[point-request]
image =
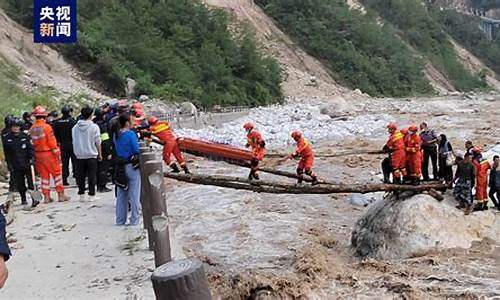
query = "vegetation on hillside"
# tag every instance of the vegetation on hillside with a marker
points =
(420, 30)
(14, 99)
(464, 29)
(359, 53)
(175, 49)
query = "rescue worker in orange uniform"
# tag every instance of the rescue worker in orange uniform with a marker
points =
(414, 154)
(163, 131)
(305, 152)
(47, 155)
(482, 167)
(406, 134)
(257, 144)
(397, 149)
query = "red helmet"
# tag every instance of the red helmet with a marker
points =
(40, 111)
(477, 150)
(152, 120)
(139, 113)
(296, 134)
(413, 128)
(248, 126)
(392, 126)
(404, 131)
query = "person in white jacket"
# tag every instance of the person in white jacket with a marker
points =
(87, 149)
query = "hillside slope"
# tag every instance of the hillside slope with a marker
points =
(299, 66)
(39, 65)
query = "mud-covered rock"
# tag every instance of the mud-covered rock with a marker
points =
(403, 228)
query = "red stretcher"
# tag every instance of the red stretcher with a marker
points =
(214, 151)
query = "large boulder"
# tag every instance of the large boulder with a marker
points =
(403, 228)
(334, 108)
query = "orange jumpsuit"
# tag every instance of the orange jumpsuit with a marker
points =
(47, 155)
(482, 168)
(164, 132)
(414, 155)
(256, 142)
(306, 153)
(396, 143)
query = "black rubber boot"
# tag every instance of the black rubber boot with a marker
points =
(256, 176)
(186, 170)
(175, 168)
(314, 180)
(300, 179)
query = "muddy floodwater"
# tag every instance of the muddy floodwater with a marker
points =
(261, 246)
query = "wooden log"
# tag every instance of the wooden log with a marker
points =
(281, 188)
(330, 155)
(181, 280)
(146, 210)
(154, 190)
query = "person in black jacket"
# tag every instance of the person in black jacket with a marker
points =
(103, 166)
(27, 121)
(62, 131)
(19, 155)
(4, 252)
(494, 181)
(5, 131)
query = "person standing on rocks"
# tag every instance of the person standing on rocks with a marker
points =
(396, 147)
(63, 131)
(495, 182)
(429, 146)
(414, 154)
(87, 148)
(469, 147)
(445, 149)
(465, 177)
(19, 155)
(482, 166)
(257, 143)
(47, 155)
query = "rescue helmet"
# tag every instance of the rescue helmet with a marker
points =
(66, 110)
(392, 126)
(296, 135)
(17, 122)
(404, 131)
(8, 120)
(413, 128)
(138, 113)
(152, 120)
(248, 126)
(476, 150)
(40, 111)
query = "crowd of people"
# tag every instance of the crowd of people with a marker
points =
(410, 151)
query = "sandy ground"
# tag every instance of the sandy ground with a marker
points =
(74, 251)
